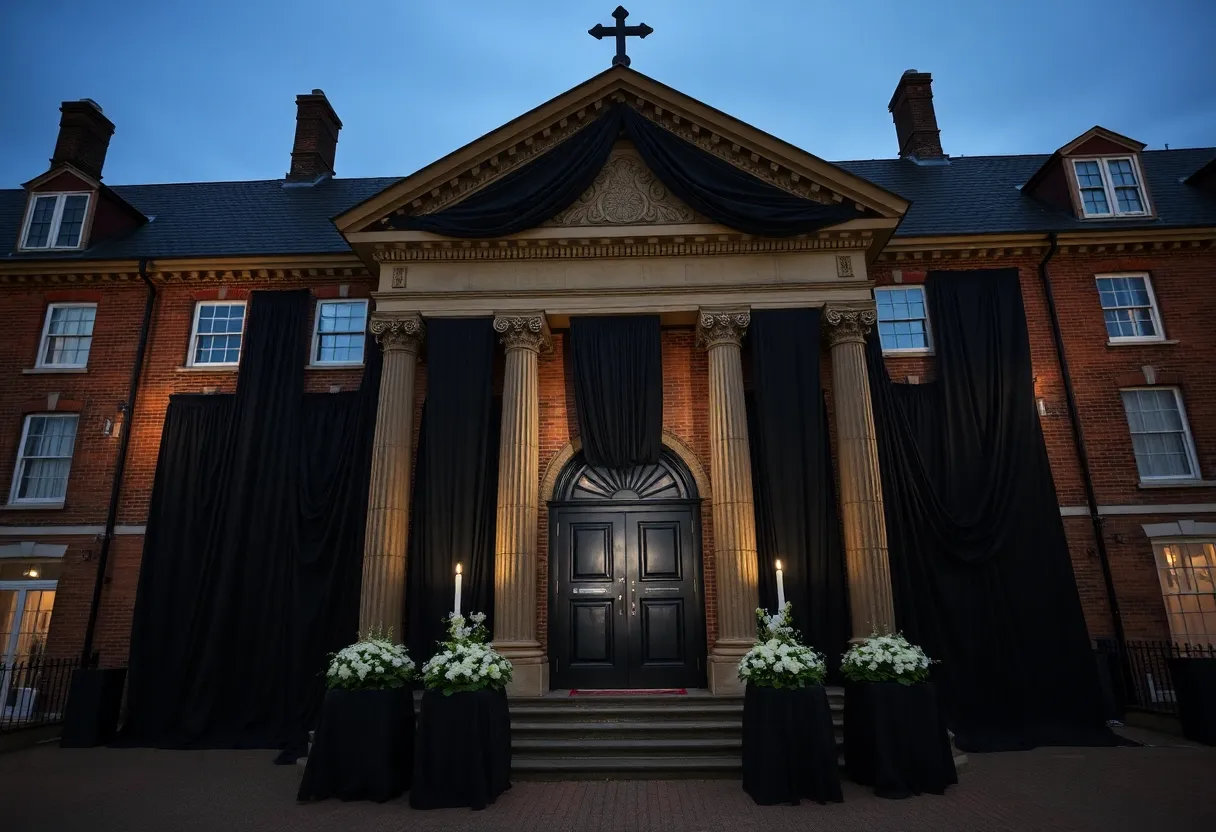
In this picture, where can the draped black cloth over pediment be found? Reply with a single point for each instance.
(545, 186)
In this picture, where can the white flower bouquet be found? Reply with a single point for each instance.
(466, 662)
(885, 659)
(372, 664)
(779, 659)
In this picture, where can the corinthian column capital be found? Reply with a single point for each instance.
(718, 328)
(529, 331)
(846, 324)
(397, 331)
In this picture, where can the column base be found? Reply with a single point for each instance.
(530, 669)
(723, 667)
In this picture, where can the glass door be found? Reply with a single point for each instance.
(25, 620)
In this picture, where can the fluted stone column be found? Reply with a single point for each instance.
(382, 598)
(865, 527)
(524, 337)
(734, 514)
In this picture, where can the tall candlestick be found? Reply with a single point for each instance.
(459, 578)
(780, 589)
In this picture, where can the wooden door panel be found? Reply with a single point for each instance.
(663, 632)
(591, 552)
(592, 633)
(659, 545)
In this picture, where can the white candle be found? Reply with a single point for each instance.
(780, 589)
(459, 578)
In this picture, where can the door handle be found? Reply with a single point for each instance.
(621, 611)
(633, 607)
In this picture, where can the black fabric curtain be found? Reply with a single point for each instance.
(253, 551)
(544, 186)
(456, 483)
(618, 388)
(980, 566)
(793, 481)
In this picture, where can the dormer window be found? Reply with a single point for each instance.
(55, 221)
(1110, 187)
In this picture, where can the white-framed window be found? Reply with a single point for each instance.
(903, 320)
(339, 332)
(1110, 187)
(67, 335)
(1187, 569)
(55, 221)
(1161, 436)
(1129, 307)
(44, 458)
(215, 339)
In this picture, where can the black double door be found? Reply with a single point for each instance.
(626, 602)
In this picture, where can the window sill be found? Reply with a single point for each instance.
(209, 368)
(39, 371)
(350, 366)
(1156, 342)
(907, 353)
(1150, 484)
(31, 506)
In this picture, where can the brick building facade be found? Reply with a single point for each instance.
(217, 242)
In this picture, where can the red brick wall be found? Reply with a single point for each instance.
(1098, 371)
(99, 391)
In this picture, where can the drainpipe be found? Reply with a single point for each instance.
(1078, 436)
(128, 410)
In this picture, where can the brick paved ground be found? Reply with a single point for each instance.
(104, 790)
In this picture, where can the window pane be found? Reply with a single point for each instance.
(46, 457)
(902, 318)
(39, 234)
(69, 335)
(218, 338)
(1088, 174)
(1094, 200)
(1159, 438)
(1121, 172)
(340, 331)
(1129, 200)
(72, 221)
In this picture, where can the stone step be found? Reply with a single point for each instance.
(624, 767)
(631, 713)
(594, 748)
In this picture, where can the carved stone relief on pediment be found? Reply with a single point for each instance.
(626, 192)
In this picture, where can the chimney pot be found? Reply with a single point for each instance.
(316, 142)
(84, 137)
(911, 108)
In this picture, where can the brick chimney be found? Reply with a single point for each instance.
(84, 137)
(915, 121)
(317, 126)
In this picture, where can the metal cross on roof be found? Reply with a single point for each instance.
(621, 31)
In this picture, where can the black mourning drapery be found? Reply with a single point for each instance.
(980, 567)
(544, 186)
(253, 551)
(792, 478)
(617, 363)
(456, 482)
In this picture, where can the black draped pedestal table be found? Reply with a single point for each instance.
(1195, 689)
(462, 756)
(895, 739)
(789, 746)
(364, 747)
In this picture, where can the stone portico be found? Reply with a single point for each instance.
(627, 247)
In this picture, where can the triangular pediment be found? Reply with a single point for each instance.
(625, 187)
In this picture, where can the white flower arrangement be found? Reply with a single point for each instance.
(779, 659)
(372, 664)
(885, 659)
(466, 662)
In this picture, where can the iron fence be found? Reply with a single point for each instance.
(34, 693)
(1143, 680)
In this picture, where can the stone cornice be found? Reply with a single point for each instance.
(398, 332)
(1102, 241)
(524, 332)
(852, 323)
(716, 328)
(195, 270)
(599, 245)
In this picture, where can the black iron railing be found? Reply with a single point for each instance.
(34, 693)
(1142, 678)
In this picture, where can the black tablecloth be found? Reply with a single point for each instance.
(364, 747)
(94, 701)
(462, 756)
(1195, 688)
(789, 746)
(895, 739)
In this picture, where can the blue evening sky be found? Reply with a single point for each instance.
(206, 90)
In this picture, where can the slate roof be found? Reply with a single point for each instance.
(971, 195)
